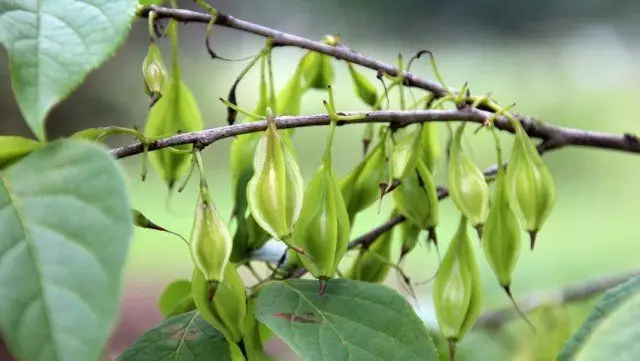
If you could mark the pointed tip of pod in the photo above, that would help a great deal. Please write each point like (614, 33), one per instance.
(507, 290)
(433, 236)
(533, 235)
(322, 287)
(479, 228)
(365, 146)
(452, 350)
(213, 286)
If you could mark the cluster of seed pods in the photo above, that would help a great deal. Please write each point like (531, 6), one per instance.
(271, 200)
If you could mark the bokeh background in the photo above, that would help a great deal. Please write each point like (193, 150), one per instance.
(572, 63)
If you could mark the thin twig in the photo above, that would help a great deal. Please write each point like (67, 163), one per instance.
(553, 136)
(578, 292)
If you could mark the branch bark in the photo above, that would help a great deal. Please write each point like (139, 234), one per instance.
(578, 292)
(552, 136)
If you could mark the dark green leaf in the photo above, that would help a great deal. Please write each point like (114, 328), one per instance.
(54, 44)
(186, 337)
(612, 330)
(352, 321)
(65, 226)
(176, 299)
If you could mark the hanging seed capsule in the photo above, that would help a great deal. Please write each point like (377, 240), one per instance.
(210, 241)
(276, 189)
(139, 220)
(417, 199)
(317, 68)
(176, 111)
(153, 70)
(457, 292)
(431, 151)
(290, 97)
(501, 236)
(361, 187)
(364, 88)
(467, 185)
(406, 150)
(532, 188)
(372, 265)
(409, 234)
(228, 309)
(323, 229)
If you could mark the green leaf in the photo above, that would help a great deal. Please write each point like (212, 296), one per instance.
(54, 44)
(13, 148)
(65, 227)
(176, 299)
(185, 337)
(352, 321)
(612, 330)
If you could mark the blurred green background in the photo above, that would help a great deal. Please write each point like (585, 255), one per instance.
(571, 63)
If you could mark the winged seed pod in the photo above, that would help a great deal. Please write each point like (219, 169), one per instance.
(410, 235)
(533, 192)
(275, 191)
(361, 187)
(323, 229)
(176, 111)
(417, 199)
(405, 152)
(431, 151)
(317, 68)
(153, 70)
(141, 221)
(457, 291)
(501, 237)
(228, 309)
(365, 90)
(467, 185)
(372, 265)
(210, 241)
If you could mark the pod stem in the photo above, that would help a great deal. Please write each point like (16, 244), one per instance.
(151, 26)
(272, 87)
(507, 289)
(452, 350)
(173, 36)
(403, 101)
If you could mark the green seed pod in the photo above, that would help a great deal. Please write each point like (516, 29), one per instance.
(210, 241)
(323, 229)
(141, 221)
(467, 185)
(176, 299)
(275, 191)
(457, 291)
(405, 152)
(417, 199)
(431, 151)
(501, 235)
(289, 99)
(153, 70)
(410, 235)
(228, 309)
(317, 70)
(176, 111)
(13, 148)
(372, 265)
(364, 88)
(533, 192)
(361, 187)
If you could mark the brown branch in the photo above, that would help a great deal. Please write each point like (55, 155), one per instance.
(578, 292)
(553, 137)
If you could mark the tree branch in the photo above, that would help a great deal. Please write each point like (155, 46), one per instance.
(578, 292)
(553, 136)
